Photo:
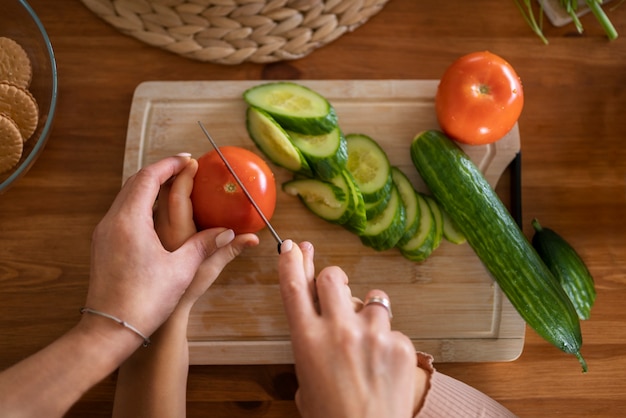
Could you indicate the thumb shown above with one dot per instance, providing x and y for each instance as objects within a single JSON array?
[
  {"x": 213, "y": 249},
  {"x": 202, "y": 245},
  {"x": 211, "y": 268},
  {"x": 226, "y": 250}
]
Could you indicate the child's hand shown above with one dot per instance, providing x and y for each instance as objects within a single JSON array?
[{"x": 174, "y": 225}]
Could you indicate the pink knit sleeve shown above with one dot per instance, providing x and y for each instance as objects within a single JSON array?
[{"x": 448, "y": 397}]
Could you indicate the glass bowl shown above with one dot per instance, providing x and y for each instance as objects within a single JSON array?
[{"x": 19, "y": 22}]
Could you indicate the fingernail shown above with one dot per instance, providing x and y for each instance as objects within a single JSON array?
[
  {"x": 224, "y": 238},
  {"x": 183, "y": 154},
  {"x": 286, "y": 246}
]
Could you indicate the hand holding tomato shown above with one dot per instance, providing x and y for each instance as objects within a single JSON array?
[
  {"x": 173, "y": 216},
  {"x": 479, "y": 99},
  {"x": 218, "y": 200},
  {"x": 174, "y": 224}
]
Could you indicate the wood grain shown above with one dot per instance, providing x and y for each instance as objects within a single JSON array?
[
  {"x": 573, "y": 180},
  {"x": 448, "y": 305}
]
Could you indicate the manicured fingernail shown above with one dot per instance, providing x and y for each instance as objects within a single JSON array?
[
  {"x": 224, "y": 238},
  {"x": 183, "y": 154},
  {"x": 286, "y": 246}
]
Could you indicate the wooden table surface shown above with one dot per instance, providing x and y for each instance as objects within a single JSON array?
[{"x": 573, "y": 179}]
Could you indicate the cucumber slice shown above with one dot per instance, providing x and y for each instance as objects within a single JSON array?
[
  {"x": 295, "y": 107},
  {"x": 326, "y": 154},
  {"x": 385, "y": 230},
  {"x": 450, "y": 231},
  {"x": 274, "y": 142},
  {"x": 438, "y": 217},
  {"x": 373, "y": 209},
  {"x": 420, "y": 246},
  {"x": 357, "y": 221},
  {"x": 408, "y": 195},
  {"x": 324, "y": 199},
  {"x": 369, "y": 165}
]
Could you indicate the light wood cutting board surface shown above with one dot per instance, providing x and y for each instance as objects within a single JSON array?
[{"x": 448, "y": 305}]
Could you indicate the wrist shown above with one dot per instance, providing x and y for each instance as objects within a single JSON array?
[
  {"x": 106, "y": 335},
  {"x": 174, "y": 328},
  {"x": 93, "y": 349},
  {"x": 183, "y": 309},
  {"x": 146, "y": 340}
]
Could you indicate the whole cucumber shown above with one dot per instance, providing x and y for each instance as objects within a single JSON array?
[
  {"x": 467, "y": 197},
  {"x": 567, "y": 266}
]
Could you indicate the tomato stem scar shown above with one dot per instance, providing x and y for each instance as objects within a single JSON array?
[{"x": 230, "y": 187}]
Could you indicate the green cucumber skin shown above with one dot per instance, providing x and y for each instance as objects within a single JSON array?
[
  {"x": 252, "y": 113},
  {"x": 371, "y": 194},
  {"x": 411, "y": 203},
  {"x": 308, "y": 125},
  {"x": 480, "y": 215},
  {"x": 339, "y": 215},
  {"x": 325, "y": 167},
  {"x": 379, "y": 194},
  {"x": 373, "y": 209},
  {"x": 438, "y": 219},
  {"x": 388, "y": 237},
  {"x": 421, "y": 245},
  {"x": 567, "y": 267},
  {"x": 358, "y": 221},
  {"x": 450, "y": 231}
]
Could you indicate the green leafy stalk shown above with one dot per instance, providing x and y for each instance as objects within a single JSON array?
[
  {"x": 596, "y": 8},
  {"x": 571, "y": 7},
  {"x": 525, "y": 7}
]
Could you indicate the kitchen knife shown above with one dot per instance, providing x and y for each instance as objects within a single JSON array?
[{"x": 243, "y": 188}]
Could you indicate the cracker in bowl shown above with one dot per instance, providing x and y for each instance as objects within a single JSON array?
[
  {"x": 15, "y": 66},
  {"x": 19, "y": 105},
  {"x": 11, "y": 143},
  {"x": 19, "y": 112}
]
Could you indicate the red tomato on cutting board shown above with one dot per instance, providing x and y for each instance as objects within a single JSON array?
[
  {"x": 217, "y": 199},
  {"x": 479, "y": 98}
]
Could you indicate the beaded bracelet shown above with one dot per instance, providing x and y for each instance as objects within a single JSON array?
[{"x": 146, "y": 340}]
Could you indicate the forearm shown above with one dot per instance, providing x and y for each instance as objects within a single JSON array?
[
  {"x": 49, "y": 382},
  {"x": 153, "y": 381}
]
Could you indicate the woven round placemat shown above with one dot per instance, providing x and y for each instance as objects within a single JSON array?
[{"x": 236, "y": 31}]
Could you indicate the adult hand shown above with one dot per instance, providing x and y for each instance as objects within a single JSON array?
[
  {"x": 133, "y": 277},
  {"x": 348, "y": 363},
  {"x": 162, "y": 369},
  {"x": 174, "y": 225}
]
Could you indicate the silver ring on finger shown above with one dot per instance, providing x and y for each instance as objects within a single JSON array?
[{"x": 378, "y": 300}]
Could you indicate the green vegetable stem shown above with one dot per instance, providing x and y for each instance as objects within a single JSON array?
[
  {"x": 571, "y": 8},
  {"x": 525, "y": 7},
  {"x": 596, "y": 8}
]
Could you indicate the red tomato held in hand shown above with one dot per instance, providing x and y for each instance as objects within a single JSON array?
[
  {"x": 479, "y": 98},
  {"x": 217, "y": 199}
]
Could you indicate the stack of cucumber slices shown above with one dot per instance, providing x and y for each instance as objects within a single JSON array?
[{"x": 344, "y": 179}]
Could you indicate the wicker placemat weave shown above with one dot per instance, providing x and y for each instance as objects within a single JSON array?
[{"x": 236, "y": 31}]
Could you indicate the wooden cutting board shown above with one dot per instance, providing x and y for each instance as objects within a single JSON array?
[{"x": 448, "y": 305}]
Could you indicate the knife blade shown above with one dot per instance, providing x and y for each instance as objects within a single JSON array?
[{"x": 279, "y": 241}]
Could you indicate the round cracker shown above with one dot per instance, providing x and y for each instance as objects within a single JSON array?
[
  {"x": 11, "y": 144},
  {"x": 20, "y": 106},
  {"x": 15, "y": 66}
]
